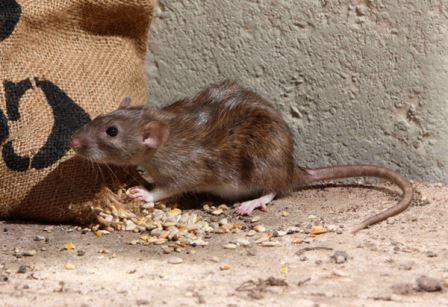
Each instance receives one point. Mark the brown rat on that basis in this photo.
(226, 140)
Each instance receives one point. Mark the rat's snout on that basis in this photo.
(75, 143)
(79, 144)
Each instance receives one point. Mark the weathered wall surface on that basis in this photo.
(359, 81)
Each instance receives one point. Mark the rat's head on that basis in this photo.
(122, 137)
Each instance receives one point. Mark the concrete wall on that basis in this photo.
(359, 81)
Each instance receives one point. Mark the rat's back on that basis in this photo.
(223, 106)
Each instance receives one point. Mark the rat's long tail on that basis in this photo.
(307, 176)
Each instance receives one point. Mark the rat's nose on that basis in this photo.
(75, 143)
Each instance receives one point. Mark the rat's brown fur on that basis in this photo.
(226, 140)
(225, 136)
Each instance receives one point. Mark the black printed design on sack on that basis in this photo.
(10, 12)
(68, 117)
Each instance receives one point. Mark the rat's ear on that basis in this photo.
(155, 133)
(126, 102)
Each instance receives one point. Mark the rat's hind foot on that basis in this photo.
(154, 195)
(246, 208)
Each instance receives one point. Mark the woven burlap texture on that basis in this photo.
(63, 62)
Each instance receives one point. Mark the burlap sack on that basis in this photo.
(61, 64)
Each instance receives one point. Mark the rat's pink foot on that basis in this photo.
(141, 193)
(154, 195)
(246, 208)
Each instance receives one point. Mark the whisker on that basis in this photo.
(101, 172)
(128, 172)
(115, 180)
(93, 168)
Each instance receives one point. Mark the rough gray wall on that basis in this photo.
(359, 81)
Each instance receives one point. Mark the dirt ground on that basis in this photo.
(381, 269)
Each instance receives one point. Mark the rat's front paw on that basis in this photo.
(141, 193)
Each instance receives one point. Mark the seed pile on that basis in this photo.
(158, 223)
(162, 222)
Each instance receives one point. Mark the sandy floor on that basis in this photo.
(381, 269)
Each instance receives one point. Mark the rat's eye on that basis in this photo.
(112, 131)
